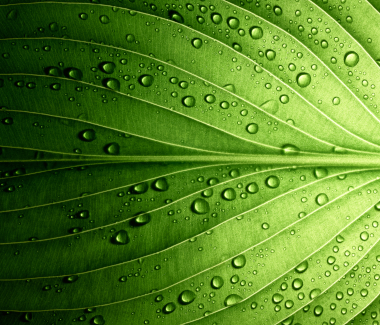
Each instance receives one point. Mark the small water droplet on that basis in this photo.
(111, 83)
(297, 284)
(141, 220)
(73, 73)
(270, 54)
(216, 18)
(252, 188)
(88, 135)
(112, 148)
(314, 293)
(107, 67)
(169, 308)
(104, 19)
(289, 149)
(98, 320)
(336, 101)
(71, 278)
(364, 236)
(320, 172)
(277, 298)
(318, 310)
(233, 22)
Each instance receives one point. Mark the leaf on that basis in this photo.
(177, 163)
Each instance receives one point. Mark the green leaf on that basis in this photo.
(189, 162)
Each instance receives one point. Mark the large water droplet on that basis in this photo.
(104, 19)
(216, 18)
(289, 149)
(197, 43)
(53, 71)
(186, 297)
(139, 188)
(107, 67)
(277, 10)
(302, 267)
(320, 172)
(130, 38)
(252, 188)
(200, 206)
(121, 237)
(233, 22)
(169, 308)
(87, 135)
(277, 298)
(303, 79)
(271, 106)
(176, 16)
(318, 310)
(252, 128)
(111, 83)
(141, 220)
(112, 148)
(322, 199)
(364, 236)
(331, 260)
(256, 32)
(270, 54)
(160, 184)
(217, 282)
(272, 181)
(314, 293)
(229, 194)
(232, 300)
(188, 101)
(73, 73)
(297, 284)
(98, 320)
(146, 80)
(239, 261)
(351, 59)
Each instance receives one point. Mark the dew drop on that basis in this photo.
(272, 182)
(303, 79)
(314, 293)
(160, 184)
(239, 261)
(130, 38)
(141, 220)
(73, 73)
(229, 194)
(233, 22)
(322, 199)
(270, 54)
(197, 43)
(200, 206)
(252, 188)
(104, 19)
(297, 284)
(364, 236)
(277, 298)
(318, 310)
(188, 101)
(7, 121)
(176, 16)
(217, 282)
(98, 320)
(146, 80)
(336, 101)
(232, 300)
(87, 135)
(140, 188)
(256, 32)
(284, 99)
(351, 59)
(112, 148)
(107, 67)
(111, 83)
(121, 238)
(210, 99)
(289, 149)
(252, 128)
(27, 317)
(169, 308)
(302, 267)
(186, 297)
(71, 278)
(320, 172)
(277, 10)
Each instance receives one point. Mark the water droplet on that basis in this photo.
(112, 148)
(216, 18)
(141, 220)
(174, 15)
(111, 83)
(107, 67)
(160, 184)
(303, 79)
(256, 32)
(324, 44)
(321, 199)
(83, 16)
(121, 237)
(197, 43)
(297, 284)
(98, 320)
(336, 101)
(46, 288)
(217, 282)
(229, 194)
(83, 214)
(210, 98)
(320, 172)
(318, 310)
(208, 193)
(233, 22)
(277, 10)
(339, 239)
(71, 278)
(252, 128)
(302, 267)
(169, 308)
(139, 188)
(289, 149)
(284, 99)
(364, 292)
(277, 298)
(104, 19)
(87, 135)
(12, 15)
(130, 38)
(351, 59)
(55, 86)
(73, 73)
(270, 54)
(188, 101)
(27, 317)
(314, 293)
(146, 80)
(272, 181)
(239, 261)
(186, 297)
(252, 188)
(7, 121)
(364, 236)
(200, 206)
(232, 300)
